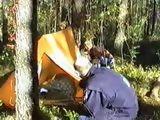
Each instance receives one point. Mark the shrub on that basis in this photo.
(140, 78)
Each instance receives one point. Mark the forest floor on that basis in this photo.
(149, 109)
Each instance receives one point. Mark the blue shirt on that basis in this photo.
(108, 96)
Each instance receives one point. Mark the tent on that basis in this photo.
(55, 55)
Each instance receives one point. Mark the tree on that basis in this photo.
(23, 58)
(153, 17)
(120, 37)
(1, 19)
(3, 26)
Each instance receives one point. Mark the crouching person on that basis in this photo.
(107, 95)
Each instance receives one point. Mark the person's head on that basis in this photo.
(82, 65)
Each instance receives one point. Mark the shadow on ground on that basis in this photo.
(149, 109)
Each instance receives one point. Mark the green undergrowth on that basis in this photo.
(45, 113)
(140, 78)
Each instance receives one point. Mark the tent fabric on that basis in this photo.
(61, 49)
(55, 55)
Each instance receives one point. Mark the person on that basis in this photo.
(97, 55)
(107, 95)
(105, 58)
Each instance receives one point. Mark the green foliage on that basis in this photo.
(46, 17)
(133, 52)
(135, 32)
(6, 57)
(96, 12)
(101, 11)
(140, 78)
(71, 115)
(53, 113)
(112, 12)
(6, 114)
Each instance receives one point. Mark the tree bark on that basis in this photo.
(4, 27)
(35, 90)
(1, 26)
(120, 37)
(1, 20)
(56, 18)
(148, 18)
(153, 17)
(23, 73)
(78, 5)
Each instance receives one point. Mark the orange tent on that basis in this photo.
(56, 54)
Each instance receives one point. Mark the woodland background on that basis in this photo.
(129, 29)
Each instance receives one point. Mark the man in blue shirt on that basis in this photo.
(108, 95)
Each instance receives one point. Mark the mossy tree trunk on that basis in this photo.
(23, 73)
(120, 37)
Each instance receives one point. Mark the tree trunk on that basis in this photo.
(1, 20)
(56, 18)
(4, 27)
(153, 17)
(148, 18)
(23, 50)
(35, 90)
(102, 34)
(120, 37)
(78, 5)
(1, 25)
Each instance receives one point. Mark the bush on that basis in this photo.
(56, 113)
(140, 78)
